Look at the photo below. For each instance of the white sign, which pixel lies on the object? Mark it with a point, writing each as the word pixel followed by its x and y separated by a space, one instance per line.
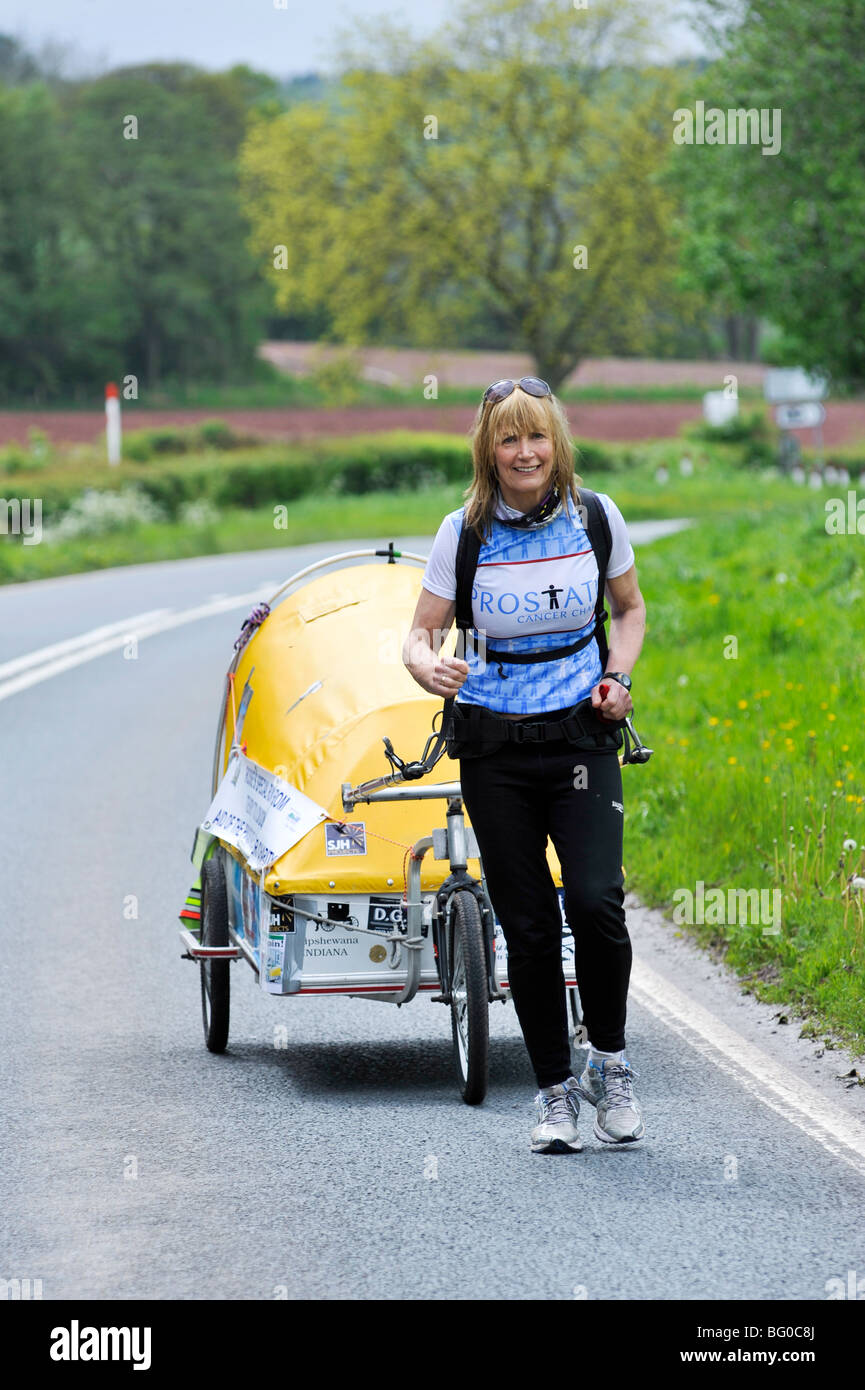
pixel 793 384
pixel 719 408
pixel 259 813
pixel 806 416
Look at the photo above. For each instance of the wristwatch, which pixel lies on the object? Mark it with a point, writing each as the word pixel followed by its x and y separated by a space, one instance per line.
pixel 619 676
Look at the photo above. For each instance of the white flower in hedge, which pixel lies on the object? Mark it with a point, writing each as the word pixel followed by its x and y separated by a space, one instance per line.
pixel 96 512
pixel 198 514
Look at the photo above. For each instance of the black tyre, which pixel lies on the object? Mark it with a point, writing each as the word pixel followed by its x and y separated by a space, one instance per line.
pixel 215 974
pixel 470 1010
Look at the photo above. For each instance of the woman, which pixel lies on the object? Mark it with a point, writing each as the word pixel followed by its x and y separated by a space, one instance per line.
pixel 537 581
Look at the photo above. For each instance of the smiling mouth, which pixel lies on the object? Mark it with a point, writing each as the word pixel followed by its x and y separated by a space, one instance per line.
pixel 533 469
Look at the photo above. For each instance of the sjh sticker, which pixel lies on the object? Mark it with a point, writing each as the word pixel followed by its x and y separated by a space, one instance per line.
pixel 345 837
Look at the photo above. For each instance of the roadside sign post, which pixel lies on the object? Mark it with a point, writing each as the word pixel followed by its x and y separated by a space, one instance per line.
pixel 797 397
pixel 113 427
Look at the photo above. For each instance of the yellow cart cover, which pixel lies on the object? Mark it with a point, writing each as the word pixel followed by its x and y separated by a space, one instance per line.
pixel 328 684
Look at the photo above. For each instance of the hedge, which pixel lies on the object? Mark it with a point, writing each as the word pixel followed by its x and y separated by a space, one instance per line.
pixel 272 473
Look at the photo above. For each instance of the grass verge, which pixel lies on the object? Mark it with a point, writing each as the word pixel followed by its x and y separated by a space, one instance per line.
pixel 751 689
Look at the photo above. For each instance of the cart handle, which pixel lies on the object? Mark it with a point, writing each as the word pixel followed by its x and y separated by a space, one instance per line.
pixel 392 791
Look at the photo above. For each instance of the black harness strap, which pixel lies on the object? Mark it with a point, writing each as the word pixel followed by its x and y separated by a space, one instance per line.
pixel 468 550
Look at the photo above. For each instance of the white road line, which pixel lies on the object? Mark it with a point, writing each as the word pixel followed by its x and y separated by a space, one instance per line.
pixel 163 622
pixel 761 1075
pixel 71 644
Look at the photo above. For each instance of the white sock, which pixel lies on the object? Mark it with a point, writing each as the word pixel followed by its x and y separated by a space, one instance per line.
pixel 595 1055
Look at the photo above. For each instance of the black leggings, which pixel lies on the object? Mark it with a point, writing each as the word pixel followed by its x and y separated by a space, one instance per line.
pixel 515 799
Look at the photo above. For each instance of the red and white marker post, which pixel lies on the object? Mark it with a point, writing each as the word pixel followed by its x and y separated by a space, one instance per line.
pixel 113 428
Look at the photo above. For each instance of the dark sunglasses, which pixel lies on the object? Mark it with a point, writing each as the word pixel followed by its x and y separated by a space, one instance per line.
pixel 502 389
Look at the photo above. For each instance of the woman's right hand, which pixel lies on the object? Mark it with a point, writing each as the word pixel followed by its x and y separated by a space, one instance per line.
pixel 448 675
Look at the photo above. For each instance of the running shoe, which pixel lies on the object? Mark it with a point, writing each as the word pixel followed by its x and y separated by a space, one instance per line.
pixel 558 1112
pixel 609 1087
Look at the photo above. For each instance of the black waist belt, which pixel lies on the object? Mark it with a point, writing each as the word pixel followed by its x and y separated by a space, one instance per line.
pixel 476 730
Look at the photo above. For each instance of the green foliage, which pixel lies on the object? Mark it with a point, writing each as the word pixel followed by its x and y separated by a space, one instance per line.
pixel 176 465
pixel 782 235
pixel 752 429
pixel 126 255
pixel 539 147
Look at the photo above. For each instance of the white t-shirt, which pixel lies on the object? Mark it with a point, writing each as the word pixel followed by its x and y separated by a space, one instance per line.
pixel 533 590
pixel 494 609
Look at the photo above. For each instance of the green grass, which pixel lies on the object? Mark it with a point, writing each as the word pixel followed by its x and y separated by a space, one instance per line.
pixel 310 518
pixel 757 778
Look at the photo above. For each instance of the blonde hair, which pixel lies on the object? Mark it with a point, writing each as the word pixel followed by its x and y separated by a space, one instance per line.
pixel 519 414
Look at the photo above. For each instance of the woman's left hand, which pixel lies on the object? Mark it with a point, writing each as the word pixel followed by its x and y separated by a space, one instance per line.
pixel 617 703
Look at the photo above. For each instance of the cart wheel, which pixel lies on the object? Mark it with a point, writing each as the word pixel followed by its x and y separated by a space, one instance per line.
pixel 470 1012
pixel 215 978
pixel 576 1007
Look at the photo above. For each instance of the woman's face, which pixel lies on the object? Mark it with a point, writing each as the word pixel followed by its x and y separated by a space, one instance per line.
pixel 524 466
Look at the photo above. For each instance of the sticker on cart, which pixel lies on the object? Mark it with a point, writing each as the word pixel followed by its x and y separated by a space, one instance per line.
pixel 274 963
pixel 280 917
pixel 259 813
pixel 385 914
pixel 345 837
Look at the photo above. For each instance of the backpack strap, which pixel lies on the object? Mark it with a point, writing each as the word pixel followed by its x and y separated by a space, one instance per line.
pixel 468 550
pixel 601 541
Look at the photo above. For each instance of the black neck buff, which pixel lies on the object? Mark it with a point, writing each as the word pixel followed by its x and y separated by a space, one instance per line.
pixel 545 511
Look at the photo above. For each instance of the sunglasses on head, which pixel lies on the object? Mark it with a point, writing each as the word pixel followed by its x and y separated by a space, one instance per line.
pixel 501 389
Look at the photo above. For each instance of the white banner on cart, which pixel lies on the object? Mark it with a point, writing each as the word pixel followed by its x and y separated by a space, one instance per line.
pixel 259 813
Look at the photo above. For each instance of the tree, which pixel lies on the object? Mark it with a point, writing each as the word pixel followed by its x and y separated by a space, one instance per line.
pixel 125 255
pixel 783 235
pixel 464 174
pixel 43 299
pixel 154 156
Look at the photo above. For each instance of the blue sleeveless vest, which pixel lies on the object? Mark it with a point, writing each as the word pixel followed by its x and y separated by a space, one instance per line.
pixel 533 590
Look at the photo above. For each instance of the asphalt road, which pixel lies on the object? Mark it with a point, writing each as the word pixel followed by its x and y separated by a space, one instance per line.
pixel 133 1164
